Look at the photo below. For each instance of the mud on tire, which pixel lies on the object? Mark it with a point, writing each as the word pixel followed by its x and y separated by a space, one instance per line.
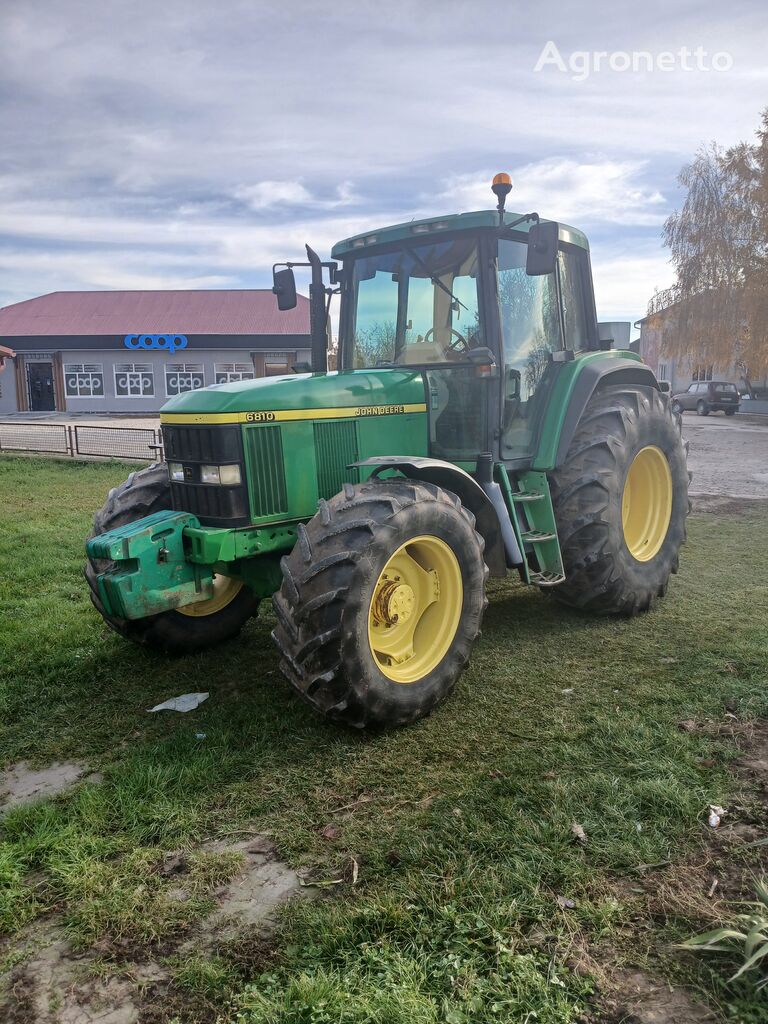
pixel 601 574
pixel 143 493
pixel 329 578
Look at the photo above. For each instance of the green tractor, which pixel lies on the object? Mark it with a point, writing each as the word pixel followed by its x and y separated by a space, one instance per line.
pixel 478 423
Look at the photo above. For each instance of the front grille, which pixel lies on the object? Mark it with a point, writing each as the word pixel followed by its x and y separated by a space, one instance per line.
pixel 194 446
pixel 266 471
pixel 335 449
pixel 203 444
pixel 213 505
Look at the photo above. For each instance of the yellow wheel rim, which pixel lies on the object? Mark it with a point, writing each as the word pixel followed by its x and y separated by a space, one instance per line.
pixel 225 590
pixel 415 609
pixel 646 505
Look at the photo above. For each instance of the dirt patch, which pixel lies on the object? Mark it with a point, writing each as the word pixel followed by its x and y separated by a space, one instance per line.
pixel 722 505
pixel 57 986
pixel 20 784
pixel 641 999
pixel 251 898
pixel 754 762
pixel 109 984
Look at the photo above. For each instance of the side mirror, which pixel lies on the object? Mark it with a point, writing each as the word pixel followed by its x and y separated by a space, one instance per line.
pixel 542 248
pixel 665 387
pixel 284 287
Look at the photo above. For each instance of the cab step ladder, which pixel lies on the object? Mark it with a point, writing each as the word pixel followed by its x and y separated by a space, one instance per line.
pixel 533 519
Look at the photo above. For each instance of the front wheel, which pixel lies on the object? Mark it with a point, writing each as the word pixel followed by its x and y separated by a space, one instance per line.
pixel 381 601
pixel 183 630
pixel 702 408
pixel 677 409
pixel 621 501
pixel 730 412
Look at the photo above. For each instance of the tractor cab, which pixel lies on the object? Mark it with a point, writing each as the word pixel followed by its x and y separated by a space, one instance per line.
pixel 486 306
pixel 458 299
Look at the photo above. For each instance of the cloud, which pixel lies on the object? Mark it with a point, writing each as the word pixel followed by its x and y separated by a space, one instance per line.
pixel 265 195
pixel 625 280
pixel 192 142
pixel 562 188
pixel 56 247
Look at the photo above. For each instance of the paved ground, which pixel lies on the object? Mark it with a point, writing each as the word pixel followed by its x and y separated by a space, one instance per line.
pixel 82 419
pixel 728 456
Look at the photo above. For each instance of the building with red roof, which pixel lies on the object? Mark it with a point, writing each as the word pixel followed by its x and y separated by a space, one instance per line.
pixel 129 351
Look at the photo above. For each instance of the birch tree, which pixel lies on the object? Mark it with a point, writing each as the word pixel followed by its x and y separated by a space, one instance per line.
pixel 717 310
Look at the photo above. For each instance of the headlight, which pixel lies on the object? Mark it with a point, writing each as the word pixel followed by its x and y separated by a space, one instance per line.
pixel 227 476
pixel 230 475
pixel 176 471
pixel 210 475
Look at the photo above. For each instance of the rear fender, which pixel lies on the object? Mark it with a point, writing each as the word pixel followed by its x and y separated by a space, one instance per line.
pixel 469 491
pixel 594 376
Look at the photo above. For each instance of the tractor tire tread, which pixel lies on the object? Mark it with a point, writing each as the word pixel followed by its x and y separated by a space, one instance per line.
pixel 600 576
pixel 313 634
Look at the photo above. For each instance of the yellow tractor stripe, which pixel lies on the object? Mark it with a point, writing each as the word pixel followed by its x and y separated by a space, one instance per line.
pixel 284 415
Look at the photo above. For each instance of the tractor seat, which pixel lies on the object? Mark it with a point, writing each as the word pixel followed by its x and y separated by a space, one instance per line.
pixel 423 352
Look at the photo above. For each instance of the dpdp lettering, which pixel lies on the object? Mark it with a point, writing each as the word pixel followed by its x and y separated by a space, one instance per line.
pixel 170 342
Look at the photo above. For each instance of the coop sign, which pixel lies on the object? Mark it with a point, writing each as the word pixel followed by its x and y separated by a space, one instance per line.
pixel 169 342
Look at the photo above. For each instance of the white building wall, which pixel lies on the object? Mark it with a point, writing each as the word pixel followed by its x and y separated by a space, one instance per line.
pixel 680 371
pixel 8 389
pixel 199 365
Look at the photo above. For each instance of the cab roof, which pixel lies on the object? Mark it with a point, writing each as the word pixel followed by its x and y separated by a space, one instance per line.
pixel 435 225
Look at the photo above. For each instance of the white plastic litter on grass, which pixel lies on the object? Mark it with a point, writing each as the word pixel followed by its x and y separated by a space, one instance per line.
pixel 716 814
pixel 186 702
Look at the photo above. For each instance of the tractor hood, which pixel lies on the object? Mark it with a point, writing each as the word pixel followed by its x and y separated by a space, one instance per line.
pixel 301 396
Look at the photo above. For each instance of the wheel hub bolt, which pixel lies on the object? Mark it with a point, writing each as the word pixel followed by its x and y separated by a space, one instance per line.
pixel 394 603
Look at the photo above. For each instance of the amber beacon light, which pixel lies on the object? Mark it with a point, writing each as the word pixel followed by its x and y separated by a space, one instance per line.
pixel 501 186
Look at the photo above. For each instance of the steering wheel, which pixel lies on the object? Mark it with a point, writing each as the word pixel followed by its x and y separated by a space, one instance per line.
pixel 459 345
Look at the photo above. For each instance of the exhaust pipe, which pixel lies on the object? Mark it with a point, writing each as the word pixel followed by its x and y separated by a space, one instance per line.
pixel 318 315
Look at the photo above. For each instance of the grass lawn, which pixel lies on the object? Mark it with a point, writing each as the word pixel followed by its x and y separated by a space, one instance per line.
pixel 475 900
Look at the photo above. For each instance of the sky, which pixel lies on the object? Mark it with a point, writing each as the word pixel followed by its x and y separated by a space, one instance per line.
pixel 192 145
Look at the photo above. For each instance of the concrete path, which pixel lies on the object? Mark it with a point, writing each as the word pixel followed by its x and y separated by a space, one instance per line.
pixel 728 456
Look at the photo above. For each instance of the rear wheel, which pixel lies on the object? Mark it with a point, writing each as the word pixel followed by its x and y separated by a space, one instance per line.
pixel 183 630
pixel 702 408
pixel 620 503
pixel 381 601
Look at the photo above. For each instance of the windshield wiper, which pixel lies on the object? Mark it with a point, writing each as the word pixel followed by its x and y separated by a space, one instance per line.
pixel 435 280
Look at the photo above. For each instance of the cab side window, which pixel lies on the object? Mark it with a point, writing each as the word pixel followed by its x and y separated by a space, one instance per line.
pixel 530 326
pixel 572 290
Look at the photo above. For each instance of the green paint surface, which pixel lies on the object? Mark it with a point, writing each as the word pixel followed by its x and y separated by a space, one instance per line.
pixel 348 389
pixel 559 401
pixel 428 229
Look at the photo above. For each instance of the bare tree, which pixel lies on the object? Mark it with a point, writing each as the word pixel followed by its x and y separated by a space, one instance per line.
pixel 717 311
pixel 375 343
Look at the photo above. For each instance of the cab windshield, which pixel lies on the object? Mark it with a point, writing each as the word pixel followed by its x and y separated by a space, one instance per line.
pixel 416 305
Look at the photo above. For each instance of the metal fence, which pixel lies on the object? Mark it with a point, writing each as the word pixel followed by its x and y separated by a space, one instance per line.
pixel 143 444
